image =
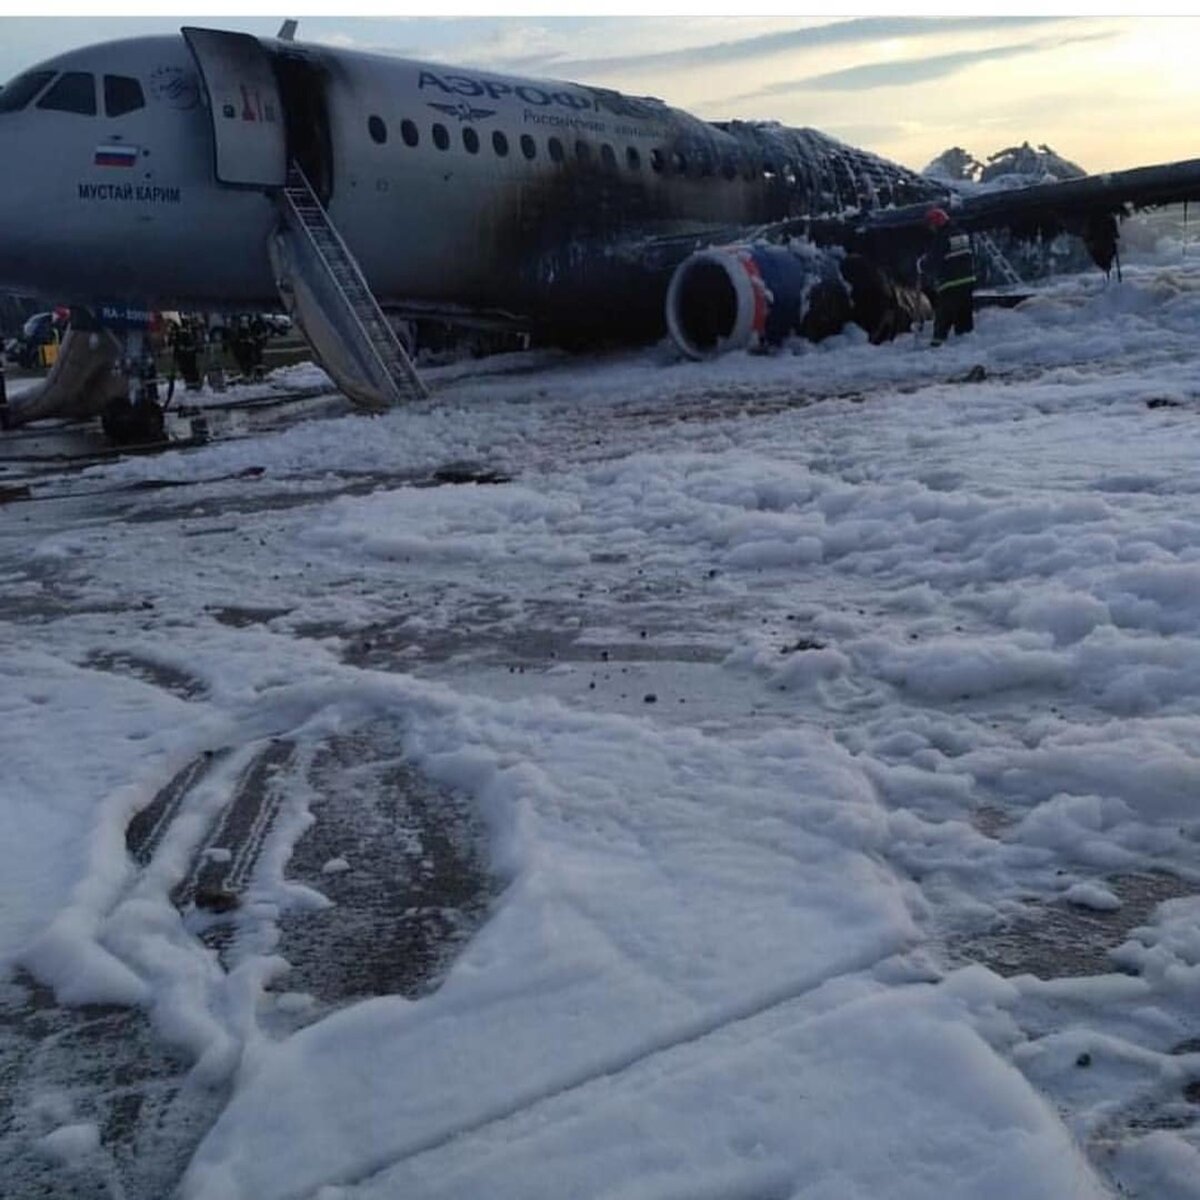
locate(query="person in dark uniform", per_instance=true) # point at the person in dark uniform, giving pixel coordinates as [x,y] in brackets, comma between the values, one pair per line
[257,333]
[948,272]
[185,353]
[242,347]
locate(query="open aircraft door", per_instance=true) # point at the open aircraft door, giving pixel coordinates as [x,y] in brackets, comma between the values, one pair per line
[249,131]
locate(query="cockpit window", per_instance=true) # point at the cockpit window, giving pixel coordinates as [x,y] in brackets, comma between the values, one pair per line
[74,92]
[23,89]
[122,95]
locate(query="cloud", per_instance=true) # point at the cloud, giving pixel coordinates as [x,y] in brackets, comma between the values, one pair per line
[863,133]
[909,71]
[837,33]
[341,41]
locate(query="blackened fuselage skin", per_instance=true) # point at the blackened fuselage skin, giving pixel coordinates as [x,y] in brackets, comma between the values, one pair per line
[462,193]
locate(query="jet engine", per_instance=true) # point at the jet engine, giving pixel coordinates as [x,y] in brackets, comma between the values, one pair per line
[752,296]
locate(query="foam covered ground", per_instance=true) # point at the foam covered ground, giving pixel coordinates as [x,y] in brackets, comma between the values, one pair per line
[831,715]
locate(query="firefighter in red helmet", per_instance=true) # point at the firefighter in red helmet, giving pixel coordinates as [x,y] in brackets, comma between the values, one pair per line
[948,274]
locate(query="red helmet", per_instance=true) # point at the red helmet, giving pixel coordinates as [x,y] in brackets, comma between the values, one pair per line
[935,218]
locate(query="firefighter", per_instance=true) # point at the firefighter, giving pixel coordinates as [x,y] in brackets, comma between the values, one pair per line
[257,333]
[185,353]
[215,338]
[948,273]
[249,337]
[241,346]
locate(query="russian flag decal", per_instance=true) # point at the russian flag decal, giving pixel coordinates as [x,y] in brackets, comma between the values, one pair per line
[116,156]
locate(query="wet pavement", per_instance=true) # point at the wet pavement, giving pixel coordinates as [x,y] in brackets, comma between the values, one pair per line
[100,1065]
[402,865]
[1059,940]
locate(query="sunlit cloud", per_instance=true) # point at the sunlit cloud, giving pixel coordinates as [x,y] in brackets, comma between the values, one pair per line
[911,71]
[905,87]
[343,40]
[838,33]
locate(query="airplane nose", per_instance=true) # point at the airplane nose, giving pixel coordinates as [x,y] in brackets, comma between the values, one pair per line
[13,264]
[38,217]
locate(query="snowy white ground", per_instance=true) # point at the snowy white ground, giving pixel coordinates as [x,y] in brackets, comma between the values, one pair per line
[833,721]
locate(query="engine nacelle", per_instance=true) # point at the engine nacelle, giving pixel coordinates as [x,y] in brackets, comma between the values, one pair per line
[755,295]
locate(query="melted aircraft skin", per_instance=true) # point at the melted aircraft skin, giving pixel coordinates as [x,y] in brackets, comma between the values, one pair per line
[505,219]
[551,203]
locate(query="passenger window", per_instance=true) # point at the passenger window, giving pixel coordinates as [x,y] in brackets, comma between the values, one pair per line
[556,149]
[583,151]
[633,158]
[500,144]
[657,161]
[441,139]
[408,131]
[607,157]
[528,146]
[377,130]
[75,92]
[23,89]
[122,95]
[679,162]
[470,140]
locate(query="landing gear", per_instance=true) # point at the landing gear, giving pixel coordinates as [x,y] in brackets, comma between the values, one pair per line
[128,424]
[136,418]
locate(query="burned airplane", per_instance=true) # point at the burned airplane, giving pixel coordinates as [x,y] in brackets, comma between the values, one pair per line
[216,170]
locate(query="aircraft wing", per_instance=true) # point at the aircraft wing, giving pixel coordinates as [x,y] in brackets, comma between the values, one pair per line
[1114,192]
[1088,207]
[1084,206]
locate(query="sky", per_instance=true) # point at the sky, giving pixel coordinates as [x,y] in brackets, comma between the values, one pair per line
[1105,91]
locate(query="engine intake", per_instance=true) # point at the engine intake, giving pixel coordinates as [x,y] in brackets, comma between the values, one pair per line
[748,296]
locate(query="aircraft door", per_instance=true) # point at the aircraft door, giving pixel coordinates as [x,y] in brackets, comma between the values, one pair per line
[249,130]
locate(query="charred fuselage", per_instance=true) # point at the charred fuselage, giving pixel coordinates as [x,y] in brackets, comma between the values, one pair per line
[464,195]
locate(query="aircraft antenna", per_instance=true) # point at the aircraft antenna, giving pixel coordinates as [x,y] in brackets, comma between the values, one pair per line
[287,31]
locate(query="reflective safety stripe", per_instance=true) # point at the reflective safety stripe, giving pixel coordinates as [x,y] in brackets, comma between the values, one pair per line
[961,281]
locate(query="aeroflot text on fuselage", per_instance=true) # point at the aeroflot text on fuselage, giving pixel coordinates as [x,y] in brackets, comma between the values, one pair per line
[593,99]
